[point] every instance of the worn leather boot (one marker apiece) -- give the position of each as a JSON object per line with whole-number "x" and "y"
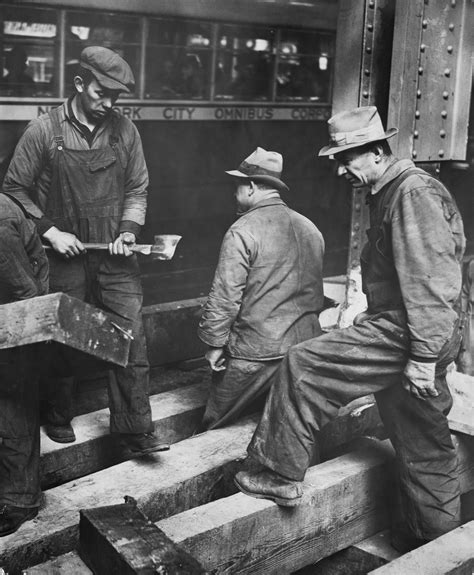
{"x": 269, "y": 485}
{"x": 141, "y": 443}
{"x": 12, "y": 517}
{"x": 60, "y": 433}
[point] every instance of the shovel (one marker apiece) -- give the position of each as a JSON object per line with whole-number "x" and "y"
{"x": 163, "y": 248}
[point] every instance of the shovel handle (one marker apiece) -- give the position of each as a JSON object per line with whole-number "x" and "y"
{"x": 138, "y": 248}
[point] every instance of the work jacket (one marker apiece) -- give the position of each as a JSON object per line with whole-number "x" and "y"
{"x": 412, "y": 261}
{"x": 23, "y": 262}
{"x": 30, "y": 174}
{"x": 268, "y": 286}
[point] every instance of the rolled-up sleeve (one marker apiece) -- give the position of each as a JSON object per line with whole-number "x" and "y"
{"x": 227, "y": 289}
{"x": 136, "y": 183}
{"x": 426, "y": 259}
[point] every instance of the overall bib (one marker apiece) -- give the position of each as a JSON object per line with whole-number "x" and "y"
{"x": 86, "y": 199}
{"x": 321, "y": 375}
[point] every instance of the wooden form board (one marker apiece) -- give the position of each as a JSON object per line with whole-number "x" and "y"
{"x": 120, "y": 539}
{"x": 344, "y": 501}
{"x": 66, "y": 320}
{"x": 451, "y": 554}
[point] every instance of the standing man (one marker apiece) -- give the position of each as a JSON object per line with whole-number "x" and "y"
{"x": 267, "y": 290}
{"x": 23, "y": 275}
{"x": 399, "y": 348}
{"x": 80, "y": 172}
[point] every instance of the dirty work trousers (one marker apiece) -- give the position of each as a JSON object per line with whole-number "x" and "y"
{"x": 319, "y": 376}
{"x": 113, "y": 284}
{"x": 19, "y": 426}
{"x": 236, "y": 389}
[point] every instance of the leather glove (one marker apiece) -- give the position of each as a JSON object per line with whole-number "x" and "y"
{"x": 419, "y": 379}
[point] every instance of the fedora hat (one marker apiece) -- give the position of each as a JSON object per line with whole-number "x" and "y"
{"x": 355, "y": 128}
{"x": 262, "y": 166}
{"x": 109, "y": 69}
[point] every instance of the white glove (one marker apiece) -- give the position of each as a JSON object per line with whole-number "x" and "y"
{"x": 419, "y": 379}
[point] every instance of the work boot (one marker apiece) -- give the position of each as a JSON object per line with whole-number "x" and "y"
{"x": 12, "y": 517}
{"x": 60, "y": 433}
{"x": 141, "y": 443}
{"x": 270, "y": 485}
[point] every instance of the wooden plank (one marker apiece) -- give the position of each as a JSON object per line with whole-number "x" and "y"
{"x": 461, "y": 416}
{"x": 176, "y": 415}
{"x": 451, "y": 554}
{"x": 345, "y": 500}
{"x": 67, "y": 564}
{"x": 171, "y": 331}
{"x": 66, "y": 320}
{"x": 120, "y": 539}
{"x": 193, "y": 472}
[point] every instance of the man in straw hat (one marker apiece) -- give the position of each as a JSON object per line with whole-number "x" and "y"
{"x": 80, "y": 172}
{"x": 267, "y": 290}
{"x": 398, "y": 349}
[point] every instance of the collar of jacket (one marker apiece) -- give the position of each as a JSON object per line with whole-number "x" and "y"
{"x": 390, "y": 174}
{"x": 264, "y": 204}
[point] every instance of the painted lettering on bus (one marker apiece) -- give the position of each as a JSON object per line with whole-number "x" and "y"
{"x": 130, "y": 112}
{"x": 221, "y": 113}
{"x": 178, "y": 113}
{"x": 308, "y": 114}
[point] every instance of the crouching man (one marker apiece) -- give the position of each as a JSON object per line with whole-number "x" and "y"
{"x": 267, "y": 290}
{"x": 23, "y": 275}
{"x": 399, "y": 351}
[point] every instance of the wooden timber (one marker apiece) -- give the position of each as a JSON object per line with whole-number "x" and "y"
{"x": 461, "y": 416}
{"x": 451, "y": 554}
{"x": 66, "y": 320}
{"x": 120, "y": 539}
{"x": 176, "y": 414}
{"x": 195, "y": 471}
{"x": 345, "y": 500}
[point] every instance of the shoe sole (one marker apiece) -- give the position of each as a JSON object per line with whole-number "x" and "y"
{"x": 62, "y": 439}
{"x": 28, "y": 518}
{"x": 294, "y": 502}
{"x": 161, "y": 447}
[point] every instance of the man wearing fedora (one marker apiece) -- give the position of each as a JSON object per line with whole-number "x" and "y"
{"x": 398, "y": 349}
{"x": 80, "y": 173}
{"x": 267, "y": 290}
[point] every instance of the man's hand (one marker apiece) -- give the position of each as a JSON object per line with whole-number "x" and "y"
{"x": 216, "y": 358}
{"x": 121, "y": 246}
{"x": 64, "y": 243}
{"x": 419, "y": 379}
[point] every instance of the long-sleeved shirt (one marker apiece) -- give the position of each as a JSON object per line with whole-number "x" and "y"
{"x": 268, "y": 285}
{"x": 23, "y": 263}
{"x": 29, "y": 175}
{"x": 415, "y": 254}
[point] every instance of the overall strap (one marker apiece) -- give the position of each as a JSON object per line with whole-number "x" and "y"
{"x": 114, "y": 138}
{"x": 18, "y": 203}
{"x": 58, "y": 133}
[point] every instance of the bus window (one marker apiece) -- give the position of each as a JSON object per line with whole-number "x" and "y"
{"x": 178, "y": 59}
{"x": 119, "y": 33}
{"x": 244, "y": 64}
{"x": 304, "y": 66}
{"x": 27, "y": 52}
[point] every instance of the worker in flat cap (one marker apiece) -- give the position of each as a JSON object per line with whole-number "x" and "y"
{"x": 80, "y": 172}
{"x": 398, "y": 349}
{"x": 267, "y": 290}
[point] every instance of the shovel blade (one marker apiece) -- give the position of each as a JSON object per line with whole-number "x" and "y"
{"x": 164, "y": 246}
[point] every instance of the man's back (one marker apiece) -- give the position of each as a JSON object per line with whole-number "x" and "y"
{"x": 268, "y": 286}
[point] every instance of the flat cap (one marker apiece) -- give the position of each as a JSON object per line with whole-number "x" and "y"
{"x": 109, "y": 69}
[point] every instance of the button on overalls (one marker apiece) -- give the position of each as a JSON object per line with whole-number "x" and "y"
{"x": 86, "y": 198}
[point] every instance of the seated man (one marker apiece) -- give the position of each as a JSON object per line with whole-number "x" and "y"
{"x": 411, "y": 274}
{"x": 267, "y": 290}
{"x": 23, "y": 275}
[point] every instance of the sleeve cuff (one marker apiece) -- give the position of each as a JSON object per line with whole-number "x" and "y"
{"x": 129, "y": 226}
{"x": 43, "y": 224}
{"x": 421, "y": 359}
